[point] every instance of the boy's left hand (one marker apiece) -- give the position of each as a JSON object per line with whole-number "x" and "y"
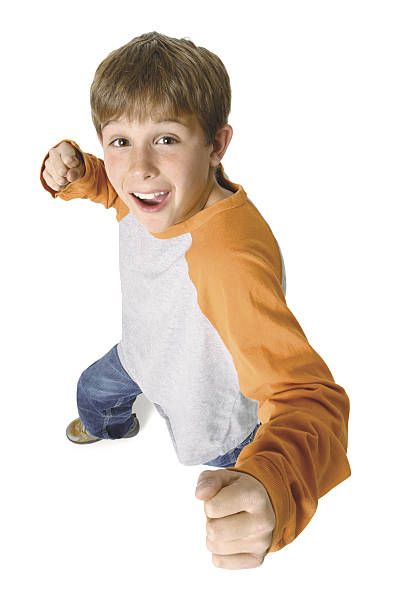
{"x": 240, "y": 518}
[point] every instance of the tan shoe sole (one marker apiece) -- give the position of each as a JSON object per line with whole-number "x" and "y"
{"x": 78, "y": 434}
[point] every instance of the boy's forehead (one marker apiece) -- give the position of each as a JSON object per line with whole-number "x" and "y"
{"x": 187, "y": 121}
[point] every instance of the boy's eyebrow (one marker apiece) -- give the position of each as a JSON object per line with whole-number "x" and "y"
{"x": 169, "y": 120}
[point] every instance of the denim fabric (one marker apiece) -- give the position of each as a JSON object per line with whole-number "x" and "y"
{"x": 230, "y": 458}
{"x": 105, "y": 396}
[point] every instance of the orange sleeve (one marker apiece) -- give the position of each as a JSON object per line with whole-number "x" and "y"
{"x": 93, "y": 185}
{"x": 299, "y": 451}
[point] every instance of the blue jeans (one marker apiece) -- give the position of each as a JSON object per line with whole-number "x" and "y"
{"x": 105, "y": 396}
{"x": 230, "y": 458}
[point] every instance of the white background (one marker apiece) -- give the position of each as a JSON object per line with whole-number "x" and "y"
{"x": 116, "y": 525}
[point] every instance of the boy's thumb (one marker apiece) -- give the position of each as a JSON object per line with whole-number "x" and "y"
{"x": 71, "y": 175}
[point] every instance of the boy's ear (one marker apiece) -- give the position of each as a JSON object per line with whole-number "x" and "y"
{"x": 222, "y": 141}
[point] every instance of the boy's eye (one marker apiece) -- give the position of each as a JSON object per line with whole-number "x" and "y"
{"x": 162, "y": 137}
{"x": 116, "y": 140}
{"x": 168, "y": 137}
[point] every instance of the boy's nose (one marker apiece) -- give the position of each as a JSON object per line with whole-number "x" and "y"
{"x": 142, "y": 166}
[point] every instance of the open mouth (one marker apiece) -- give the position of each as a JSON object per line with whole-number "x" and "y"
{"x": 151, "y": 206}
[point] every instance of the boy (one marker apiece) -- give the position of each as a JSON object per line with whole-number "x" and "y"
{"x": 206, "y": 331}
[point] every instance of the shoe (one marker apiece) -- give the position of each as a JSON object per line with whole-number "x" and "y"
{"x": 77, "y": 432}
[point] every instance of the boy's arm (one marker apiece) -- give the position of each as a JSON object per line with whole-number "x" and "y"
{"x": 299, "y": 450}
{"x": 93, "y": 185}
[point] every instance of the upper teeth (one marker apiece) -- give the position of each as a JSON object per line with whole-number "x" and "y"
{"x": 149, "y": 196}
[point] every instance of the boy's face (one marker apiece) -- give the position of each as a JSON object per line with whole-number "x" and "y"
{"x": 168, "y": 156}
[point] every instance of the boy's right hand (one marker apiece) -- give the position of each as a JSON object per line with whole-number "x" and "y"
{"x": 63, "y": 166}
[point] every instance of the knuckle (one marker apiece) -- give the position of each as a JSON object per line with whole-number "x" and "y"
{"x": 258, "y": 559}
{"x": 57, "y": 180}
{"x": 210, "y": 544}
{"x": 259, "y": 548}
{"x": 262, "y": 526}
{"x": 211, "y": 530}
{"x": 49, "y": 180}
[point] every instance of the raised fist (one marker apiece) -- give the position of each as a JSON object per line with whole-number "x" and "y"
{"x": 63, "y": 166}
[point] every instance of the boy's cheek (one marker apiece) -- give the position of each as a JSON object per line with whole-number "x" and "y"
{"x": 113, "y": 177}
{"x": 111, "y": 167}
{"x": 125, "y": 198}
{"x": 116, "y": 184}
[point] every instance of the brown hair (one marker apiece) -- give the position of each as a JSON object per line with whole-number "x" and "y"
{"x": 159, "y": 77}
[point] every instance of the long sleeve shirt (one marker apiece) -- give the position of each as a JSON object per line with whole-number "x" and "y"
{"x": 208, "y": 337}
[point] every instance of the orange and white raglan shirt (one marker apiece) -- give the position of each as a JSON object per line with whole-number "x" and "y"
{"x": 208, "y": 337}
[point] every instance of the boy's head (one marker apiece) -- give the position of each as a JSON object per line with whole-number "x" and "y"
{"x": 136, "y": 89}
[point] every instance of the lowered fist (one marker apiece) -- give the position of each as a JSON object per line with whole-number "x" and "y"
{"x": 63, "y": 166}
{"x": 240, "y": 518}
